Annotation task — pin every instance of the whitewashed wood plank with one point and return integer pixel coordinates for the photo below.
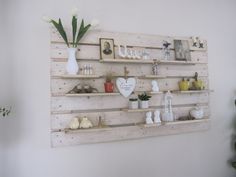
(58, 68)
(61, 121)
(126, 133)
(130, 39)
(82, 103)
(91, 52)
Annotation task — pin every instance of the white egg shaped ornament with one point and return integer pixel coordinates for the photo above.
(197, 113)
(85, 123)
(74, 123)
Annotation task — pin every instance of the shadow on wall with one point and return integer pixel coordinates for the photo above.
(233, 142)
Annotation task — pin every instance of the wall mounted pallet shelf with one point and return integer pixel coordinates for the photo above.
(119, 122)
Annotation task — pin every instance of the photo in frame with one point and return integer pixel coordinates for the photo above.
(107, 50)
(182, 50)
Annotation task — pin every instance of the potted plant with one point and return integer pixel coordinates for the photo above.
(108, 85)
(133, 103)
(72, 66)
(144, 100)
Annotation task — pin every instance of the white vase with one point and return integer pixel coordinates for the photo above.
(144, 104)
(72, 67)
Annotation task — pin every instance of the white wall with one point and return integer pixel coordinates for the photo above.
(26, 133)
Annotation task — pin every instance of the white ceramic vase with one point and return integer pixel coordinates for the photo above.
(144, 104)
(72, 67)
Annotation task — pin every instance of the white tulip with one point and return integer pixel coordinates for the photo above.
(46, 19)
(74, 11)
(95, 22)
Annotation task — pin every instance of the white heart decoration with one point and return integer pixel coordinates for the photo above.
(125, 86)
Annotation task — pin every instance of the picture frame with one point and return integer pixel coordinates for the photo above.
(182, 50)
(107, 48)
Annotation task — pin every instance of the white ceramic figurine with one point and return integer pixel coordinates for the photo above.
(149, 118)
(157, 118)
(74, 123)
(155, 87)
(86, 123)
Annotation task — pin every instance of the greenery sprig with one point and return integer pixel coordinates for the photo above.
(144, 97)
(4, 111)
(76, 35)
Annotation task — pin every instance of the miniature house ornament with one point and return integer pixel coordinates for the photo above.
(168, 116)
(155, 87)
(149, 118)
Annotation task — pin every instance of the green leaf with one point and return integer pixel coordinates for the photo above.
(82, 31)
(74, 29)
(61, 30)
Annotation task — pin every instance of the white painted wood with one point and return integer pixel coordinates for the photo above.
(61, 121)
(129, 39)
(112, 107)
(126, 133)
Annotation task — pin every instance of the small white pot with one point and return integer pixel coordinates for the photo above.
(133, 104)
(144, 104)
(72, 67)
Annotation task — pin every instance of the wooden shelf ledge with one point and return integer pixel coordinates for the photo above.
(91, 94)
(205, 119)
(67, 76)
(141, 125)
(138, 110)
(151, 61)
(191, 91)
(148, 61)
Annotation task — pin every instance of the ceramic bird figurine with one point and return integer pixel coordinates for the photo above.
(74, 123)
(85, 123)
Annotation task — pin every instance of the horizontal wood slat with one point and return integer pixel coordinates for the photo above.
(112, 107)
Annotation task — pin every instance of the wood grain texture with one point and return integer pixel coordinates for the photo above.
(126, 133)
(113, 108)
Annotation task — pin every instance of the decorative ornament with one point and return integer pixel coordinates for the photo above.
(168, 116)
(125, 85)
(157, 118)
(166, 50)
(197, 113)
(195, 41)
(82, 89)
(155, 68)
(74, 123)
(201, 43)
(85, 123)
(149, 118)
(155, 87)
(197, 84)
(184, 85)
